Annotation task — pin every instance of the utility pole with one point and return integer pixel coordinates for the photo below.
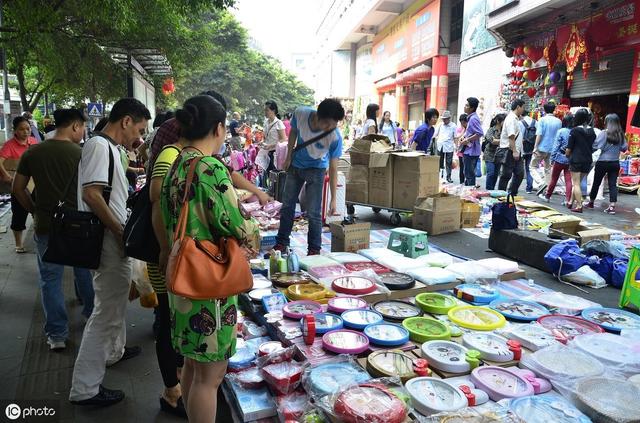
(5, 84)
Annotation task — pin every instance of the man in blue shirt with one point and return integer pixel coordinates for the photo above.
(471, 141)
(424, 133)
(308, 165)
(546, 132)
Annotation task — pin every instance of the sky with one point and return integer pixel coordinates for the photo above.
(280, 27)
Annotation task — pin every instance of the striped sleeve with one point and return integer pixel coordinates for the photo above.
(164, 161)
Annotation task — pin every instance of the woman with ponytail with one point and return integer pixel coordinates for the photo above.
(371, 124)
(274, 131)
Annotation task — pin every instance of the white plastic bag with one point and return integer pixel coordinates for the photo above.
(140, 277)
(499, 265)
(436, 259)
(585, 276)
(433, 275)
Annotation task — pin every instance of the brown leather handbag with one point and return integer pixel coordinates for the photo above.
(199, 269)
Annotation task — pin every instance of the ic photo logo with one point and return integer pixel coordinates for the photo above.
(13, 411)
(33, 412)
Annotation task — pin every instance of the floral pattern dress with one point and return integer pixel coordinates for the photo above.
(205, 330)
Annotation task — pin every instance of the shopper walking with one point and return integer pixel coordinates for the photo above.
(213, 213)
(399, 136)
(489, 148)
(579, 150)
(560, 162)
(53, 166)
(370, 125)
(611, 142)
(12, 150)
(307, 163)
(471, 141)
(546, 132)
(444, 135)
(104, 337)
(388, 128)
(274, 131)
(460, 130)
(509, 154)
(423, 134)
(528, 143)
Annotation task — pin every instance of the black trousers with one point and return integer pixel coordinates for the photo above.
(446, 160)
(511, 170)
(461, 169)
(18, 215)
(168, 359)
(611, 169)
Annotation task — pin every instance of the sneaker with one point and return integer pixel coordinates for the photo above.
(544, 197)
(610, 210)
(104, 398)
(541, 189)
(56, 345)
(588, 204)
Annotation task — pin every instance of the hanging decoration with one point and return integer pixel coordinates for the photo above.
(573, 50)
(551, 54)
(168, 87)
(588, 45)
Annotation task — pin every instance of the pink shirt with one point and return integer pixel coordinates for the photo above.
(287, 127)
(12, 149)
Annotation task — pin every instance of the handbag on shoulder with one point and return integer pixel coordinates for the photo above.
(140, 240)
(200, 269)
(75, 237)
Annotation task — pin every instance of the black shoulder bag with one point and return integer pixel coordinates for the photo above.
(140, 239)
(75, 237)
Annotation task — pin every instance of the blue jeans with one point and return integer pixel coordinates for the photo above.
(314, 180)
(470, 163)
(55, 313)
(493, 172)
(527, 170)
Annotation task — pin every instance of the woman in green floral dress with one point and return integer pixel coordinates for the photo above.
(204, 331)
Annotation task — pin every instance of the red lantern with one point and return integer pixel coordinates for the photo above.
(519, 74)
(168, 86)
(519, 50)
(535, 54)
(533, 74)
(531, 92)
(520, 62)
(422, 73)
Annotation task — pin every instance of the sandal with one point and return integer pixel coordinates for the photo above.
(178, 410)
(20, 250)
(577, 209)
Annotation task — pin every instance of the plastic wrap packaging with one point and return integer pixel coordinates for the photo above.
(331, 271)
(470, 272)
(433, 275)
(252, 330)
(550, 408)
(252, 404)
(486, 413)
(560, 303)
(343, 258)
(292, 406)
(375, 253)
(585, 276)
(241, 360)
(333, 374)
(499, 265)
(309, 262)
(250, 378)
(376, 401)
(607, 400)
(617, 354)
(279, 356)
(436, 259)
(400, 264)
(283, 377)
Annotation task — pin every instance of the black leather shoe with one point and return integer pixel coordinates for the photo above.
(176, 411)
(105, 397)
(129, 352)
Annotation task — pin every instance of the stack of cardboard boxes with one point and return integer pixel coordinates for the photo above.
(438, 214)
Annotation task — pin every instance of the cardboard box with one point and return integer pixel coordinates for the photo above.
(583, 234)
(437, 215)
(364, 148)
(415, 176)
(350, 238)
(381, 181)
(470, 214)
(358, 192)
(358, 173)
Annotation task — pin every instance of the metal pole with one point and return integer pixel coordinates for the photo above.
(5, 84)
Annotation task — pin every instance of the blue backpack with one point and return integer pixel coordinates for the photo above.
(565, 257)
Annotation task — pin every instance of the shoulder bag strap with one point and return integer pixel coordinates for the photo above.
(511, 200)
(312, 140)
(181, 227)
(106, 192)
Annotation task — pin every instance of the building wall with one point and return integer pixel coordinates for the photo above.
(480, 77)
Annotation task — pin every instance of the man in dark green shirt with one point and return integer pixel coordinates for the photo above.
(53, 166)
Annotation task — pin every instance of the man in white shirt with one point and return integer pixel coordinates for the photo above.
(510, 152)
(444, 136)
(103, 340)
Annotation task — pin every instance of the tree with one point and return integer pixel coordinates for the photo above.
(58, 46)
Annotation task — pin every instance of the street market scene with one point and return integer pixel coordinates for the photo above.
(379, 211)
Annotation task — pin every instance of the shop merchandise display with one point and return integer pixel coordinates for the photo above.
(309, 291)
(344, 341)
(608, 400)
(513, 309)
(386, 334)
(396, 310)
(342, 304)
(366, 265)
(436, 259)
(297, 309)
(532, 336)
(390, 363)
(359, 319)
(561, 303)
(369, 402)
(477, 318)
(433, 275)
(430, 395)
(450, 356)
(325, 322)
(353, 285)
(562, 364)
(492, 347)
(541, 409)
(612, 350)
(565, 328)
(475, 293)
(396, 281)
(257, 294)
(330, 377)
(432, 302)
(260, 282)
(612, 319)
(423, 329)
(501, 383)
(287, 279)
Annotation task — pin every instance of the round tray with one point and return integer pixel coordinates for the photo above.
(478, 318)
(397, 281)
(326, 322)
(526, 311)
(297, 309)
(432, 302)
(572, 363)
(257, 294)
(533, 336)
(391, 363)
(242, 359)
(608, 400)
(430, 395)
(450, 356)
(344, 341)
(423, 329)
(612, 319)
(261, 283)
(353, 285)
(500, 383)
(342, 304)
(396, 310)
(558, 302)
(492, 347)
(366, 265)
(359, 319)
(565, 328)
(387, 334)
(475, 293)
(269, 347)
(308, 291)
(329, 378)
(369, 402)
(285, 280)
(609, 349)
(540, 409)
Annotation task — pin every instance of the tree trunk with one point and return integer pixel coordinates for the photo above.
(22, 86)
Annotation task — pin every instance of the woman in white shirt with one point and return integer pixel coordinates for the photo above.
(274, 131)
(388, 128)
(371, 124)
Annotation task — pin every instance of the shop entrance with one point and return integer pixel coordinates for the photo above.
(603, 105)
